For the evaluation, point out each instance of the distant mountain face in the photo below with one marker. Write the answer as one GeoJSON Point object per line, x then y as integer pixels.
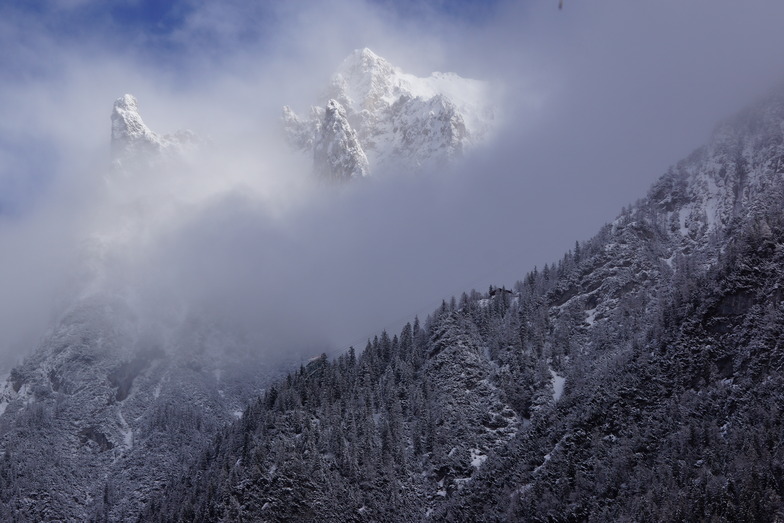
{"type": "Point", "coordinates": [109, 405]}
{"type": "Point", "coordinates": [116, 396]}
{"type": "Point", "coordinates": [374, 117]}
{"type": "Point", "coordinates": [638, 379]}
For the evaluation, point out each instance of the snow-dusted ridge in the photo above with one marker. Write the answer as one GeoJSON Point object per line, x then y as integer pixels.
{"type": "Point", "coordinates": [392, 118]}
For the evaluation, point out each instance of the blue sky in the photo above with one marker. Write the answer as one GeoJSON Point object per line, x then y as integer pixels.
{"type": "Point", "coordinates": [163, 33]}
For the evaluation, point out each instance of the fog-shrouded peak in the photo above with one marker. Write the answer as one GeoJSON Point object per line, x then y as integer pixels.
{"type": "Point", "coordinates": [363, 59]}
{"type": "Point", "coordinates": [366, 81]}
{"type": "Point", "coordinates": [134, 144]}
{"type": "Point", "coordinates": [128, 128]}
{"type": "Point", "coordinates": [401, 121]}
{"type": "Point", "coordinates": [126, 102]}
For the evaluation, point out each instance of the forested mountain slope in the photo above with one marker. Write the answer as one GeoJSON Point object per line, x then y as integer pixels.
{"type": "Point", "coordinates": [108, 406]}
{"type": "Point", "coordinates": [666, 327]}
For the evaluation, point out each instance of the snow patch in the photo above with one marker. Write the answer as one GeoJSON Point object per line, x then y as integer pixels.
{"type": "Point", "coordinates": [477, 458]}
{"type": "Point", "coordinates": [558, 382]}
{"type": "Point", "coordinates": [546, 459]}
{"type": "Point", "coordinates": [126, 431]}
{"type": "Point", "coordinates": [683, 216]}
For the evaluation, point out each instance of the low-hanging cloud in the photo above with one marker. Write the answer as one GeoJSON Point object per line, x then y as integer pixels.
{"type": "Point", "coordinates": [598, 99]}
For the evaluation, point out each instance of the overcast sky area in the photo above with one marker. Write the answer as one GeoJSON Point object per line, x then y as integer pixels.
{"type": "Point", "coordinates": [594, 102]}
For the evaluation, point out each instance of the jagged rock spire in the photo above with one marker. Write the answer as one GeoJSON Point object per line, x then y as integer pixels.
{"type": "Point", "coordinates": [130, 136]}
{"type": "Point", "coordinates": [337, 154]}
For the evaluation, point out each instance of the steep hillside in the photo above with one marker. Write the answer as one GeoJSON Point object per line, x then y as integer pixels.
{"type": "Point", "coordinates": [638, 378]}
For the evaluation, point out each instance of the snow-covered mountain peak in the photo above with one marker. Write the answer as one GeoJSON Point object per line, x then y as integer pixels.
{"type": "Point", "coordinates": [362, 62]}
{"type": "Point", "coordinates": [126, 102]}
{"type": "Point", "coordinates": [134, 144]}
{"type": "Point", "coordinates": [127, 125]}
{"type": "Point", "coordinates": [366, 81]}
{"type": "Point", "coordinates": [400, 120]}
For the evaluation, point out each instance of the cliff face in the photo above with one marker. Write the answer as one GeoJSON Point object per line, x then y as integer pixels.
{"type": "Point", "coordinates": [337, 153]}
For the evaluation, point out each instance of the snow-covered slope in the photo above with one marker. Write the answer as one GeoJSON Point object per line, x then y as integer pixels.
{"type": "Point", "coordinates": [398, 119]}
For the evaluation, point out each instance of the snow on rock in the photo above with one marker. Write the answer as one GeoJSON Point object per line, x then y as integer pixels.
{"type": "Point", "coordinates": [477, 458]}
{"type": "Point", "coordinates": [125, 430]}
{"type": "Point", "coordinates": [546, 458]}
{"type": "Point", "coordinates": [558, 385]}
{"type": "Point", "coordinates": [375, 116]}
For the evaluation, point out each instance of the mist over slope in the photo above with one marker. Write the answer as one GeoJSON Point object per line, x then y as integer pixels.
{"type": "Point", "coordinates": [638, 378]}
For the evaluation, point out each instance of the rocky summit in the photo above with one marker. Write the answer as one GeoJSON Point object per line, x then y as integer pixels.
{"type": "Point", "coordinates": [373, 117]}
